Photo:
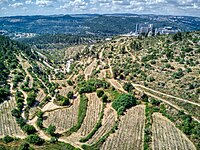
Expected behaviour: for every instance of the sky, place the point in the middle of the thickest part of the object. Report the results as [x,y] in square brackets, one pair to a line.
[50,7]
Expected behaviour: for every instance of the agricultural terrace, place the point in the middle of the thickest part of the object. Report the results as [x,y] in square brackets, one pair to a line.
[130,131]
[167,136]
[64,118]
[89,69]
[8,125]
[108,122]
[92,115]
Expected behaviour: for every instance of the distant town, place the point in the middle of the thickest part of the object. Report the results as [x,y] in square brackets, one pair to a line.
[149,30]
[17,35]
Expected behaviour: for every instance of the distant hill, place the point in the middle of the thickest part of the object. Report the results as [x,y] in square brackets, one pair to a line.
[108,24]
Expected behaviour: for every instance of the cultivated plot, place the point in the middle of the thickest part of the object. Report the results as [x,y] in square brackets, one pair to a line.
[92,115]
[130,131]
[8,125]
[167,137]
[64,118]
[108,122]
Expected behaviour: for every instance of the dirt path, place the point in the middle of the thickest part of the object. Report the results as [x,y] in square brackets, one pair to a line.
[165,101]
[111,72]
[117,85]
[101,54]
[25,66]
[133,57]
[89,69]
[180,99]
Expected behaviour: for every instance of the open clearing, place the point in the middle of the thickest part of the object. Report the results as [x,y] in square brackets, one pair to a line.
[130,131]
[167,136]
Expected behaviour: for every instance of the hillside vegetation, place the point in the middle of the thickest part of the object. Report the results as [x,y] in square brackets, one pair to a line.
[126,93]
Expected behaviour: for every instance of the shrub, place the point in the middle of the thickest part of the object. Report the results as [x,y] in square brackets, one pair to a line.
[150,79]
[86,89]
[29,129]
[69,82]
[39,122]
[100,93]
[104,98]
[21,121]
[2,147]
[62,100]
[8,139]
[34,139]
[128,87]
[16,113]
[70,94]
[123,102]
[53,140]
[24,146]
[51,129]
[31,99]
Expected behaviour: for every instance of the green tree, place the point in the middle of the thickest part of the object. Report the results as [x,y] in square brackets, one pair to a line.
[51,130]
[123,102]
[69,82]
[104,98]
[24,146]
[16,113]
[70,94]
[2,147]
[31,99]
[8,139]
[34,139]
[128,87]
[100,93]
[29,129]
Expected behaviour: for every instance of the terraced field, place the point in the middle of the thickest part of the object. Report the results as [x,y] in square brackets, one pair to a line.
[64,118]
[130,132]
[8,125]
[92,115]
[108,122]
[167,136]
[89,69]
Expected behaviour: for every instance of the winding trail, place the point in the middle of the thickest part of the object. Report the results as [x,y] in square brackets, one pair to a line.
[89,69]
[110,67]
[180,99]
[141,88]
[133,57]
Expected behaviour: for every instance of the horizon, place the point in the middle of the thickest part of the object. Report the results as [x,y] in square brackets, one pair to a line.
[71,14]
[54,7]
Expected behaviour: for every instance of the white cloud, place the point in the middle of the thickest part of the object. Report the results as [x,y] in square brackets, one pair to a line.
[28,2]
[16,5]
[3,8]
[44,3]
[121,2]
[75,5]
